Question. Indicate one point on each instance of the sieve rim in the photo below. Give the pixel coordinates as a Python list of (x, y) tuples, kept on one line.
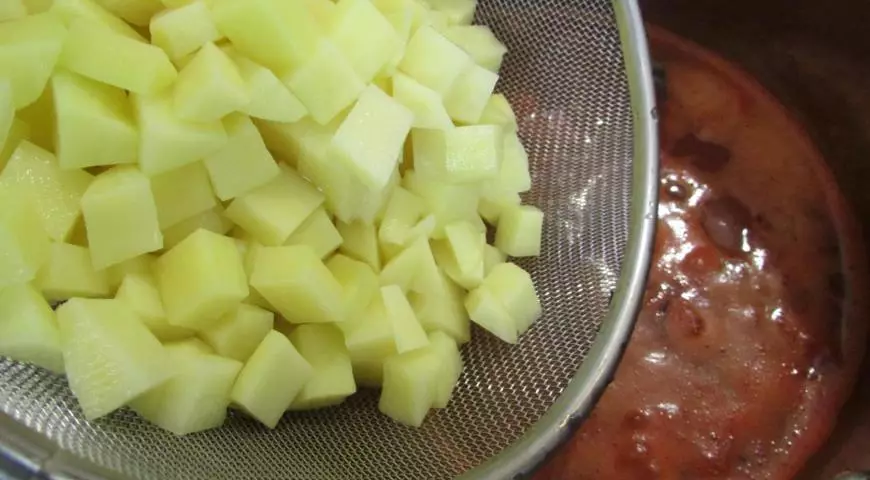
[(25, 454), (564, 417)]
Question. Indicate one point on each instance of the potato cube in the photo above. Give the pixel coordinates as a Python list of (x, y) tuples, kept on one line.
[(460, 155), (444, 347), (184, 30), (519, 231), (322, 346), (167, 142), (467, 98), (201, 279), (488, 311), (121, 217), (41, 121), (182, 193), (318, 232), (19, 131), (237, 334), (407, 332), (433, 60), (409, 388), (269, 98), (403, 212), (426, 104), (28, 328), (248, 249), (498, 111), (143, 264), (190, 345), (106, 56), (195, 398), (70, 10), (513, 287), (137, 12), (69, 273), (55, 193), (461, 254), (244, 163), (492, 203), (370, 340), (322, 10), (272, 212), (110, 358), (138, 291), (404, 269), (371, 137), (363, 36), (94, 123), (360, 241), (440, 307), (513, 175), (492, 257), (277, 35), (12, 10), (29, 49), (271, 379), (326, 84), (479, 41), (448, 203), (209, 87), (358, 281), (298, 284), (212, 220), (7, 112)]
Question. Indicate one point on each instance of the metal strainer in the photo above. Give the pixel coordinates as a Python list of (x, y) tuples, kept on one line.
[(578, 76)]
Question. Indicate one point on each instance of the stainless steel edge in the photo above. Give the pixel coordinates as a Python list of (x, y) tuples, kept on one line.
[(583, 391)]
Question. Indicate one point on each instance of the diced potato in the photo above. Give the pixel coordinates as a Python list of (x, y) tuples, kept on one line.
[(271, 379), (29, 49), (12, 10), (291, 141), (426, 104), (120, 216), (467, 98), (137, 12), (322, 10), (519, 231), (237, 334), (445, 348), (498, 111), (488, 311), (461, 254), (360, 241), (513, 176), (448, 203), (272, 212), (407, 332), (200, 280), (244, 163), (7, 111), (326, 84), (93, 11), (371, 137), (322, 346), (440, 307), (23, 241), (278, 35), (100, 53), (167, 142), (182, 193), (269, 98), (409, 388), (18, 132), (212, 220), (69, 273), (492, 257), (28, 328), (195, 398), (94, 123), (190, 345), (143, 264), (370, 340), (479, 41), (513, 287), (41, 121), (433, 60), (55, 193), (318, 232), (492, 204), (403, 212), (363, 36), (138, 291), (184, 30), (404, 269), (249, 248), (359, 284), (460, 155), (110, 357), (209, 87), (298, 284)]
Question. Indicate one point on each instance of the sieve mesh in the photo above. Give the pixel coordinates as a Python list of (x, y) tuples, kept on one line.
[(566, 78)]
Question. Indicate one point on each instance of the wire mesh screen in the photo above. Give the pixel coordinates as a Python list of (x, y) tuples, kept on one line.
[(566, 79)]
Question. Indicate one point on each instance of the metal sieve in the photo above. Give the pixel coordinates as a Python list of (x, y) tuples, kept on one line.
[(578, 76)]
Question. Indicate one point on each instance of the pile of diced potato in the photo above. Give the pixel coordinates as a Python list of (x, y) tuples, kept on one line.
[(256, 204)]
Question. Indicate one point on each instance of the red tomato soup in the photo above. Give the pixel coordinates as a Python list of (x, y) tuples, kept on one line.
[(741, 358)]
